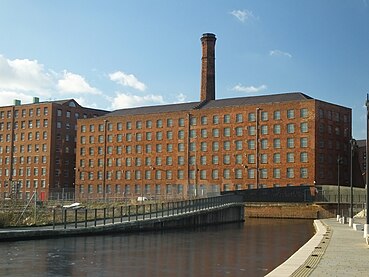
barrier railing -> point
(80, 217)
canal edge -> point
(306, 259)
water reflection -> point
(250, 249)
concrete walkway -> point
(335, 250)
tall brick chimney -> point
(208, 67)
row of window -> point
(204, 133)
(23, 160)
(204, 146)
(180, 160)
(290, 114)
(30, 136)
(24, 124)
(29, 148)
(332, 115)
(24, 172)
(203, 174)
(24, 112)
(27, 184)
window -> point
(204, 120)
(238, 173)
(215, 119)
(181, 122)
(251, 173)
(251, 158)
(277, 115)
(169, 160)
(192, 121)
(264, 158)
(277, 158)
(238, 144)
(239, 118)
(181, 147)
(215, 174)
(215, 159)
(303, 172)
(276, 173)
(251, 117)
(180, 134)
(204, 146)
(290, 142)
(263, 173)
(226, 159)
(128, 125)
(169, 147)
(215, 133)
(181, 160)
(303, 142)
(239, 131)
(290, 172)
(277, 143)
(290, 114)
(226, 174)
(264, 144)
(169, 122)
(227, 118)
(264, 116)
(169, 134)
(251, 144)
(203, 174)
(159, 123)
(238, 159)
(251, 130)
(138, 124)
(227, 132)
(290, 157)
(304, 127)
(304, 112)
(159, 135)
(192, 133)
(304, 157)
(264, 129)
(204, 133)
(227, 145)
(290, 128)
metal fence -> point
(80, 217)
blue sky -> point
(115, 54)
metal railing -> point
(79, 217)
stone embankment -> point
(288, 210)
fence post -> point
(65, 218)
(113, 215)
(150, 210)
(136, 212)
(121, 214)
(95, 217)
(129, 212)
(162, 209)
(85, 217)
(143, 212)
(104, 215)
(53, 218)
(75, 218)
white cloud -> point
(279, 53)
(249, 89)
(74, 83)
(24, 78)
(24, 75)
(181, 98)
(243, 15)
(127, 80)
(126, 100)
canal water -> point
(253, 248)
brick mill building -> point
(202, 148)
(37, 147)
